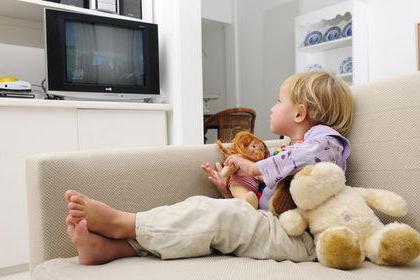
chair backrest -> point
(231, 121)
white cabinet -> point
(30, 127)
(322, 41)
(25, 132)
(104, 128)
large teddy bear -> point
(345, 228)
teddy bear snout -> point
(314, 184)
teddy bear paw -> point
(398, 245)
(339, 248)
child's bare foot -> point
(100, 217)
(220, 182)
(96, 249)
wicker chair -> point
(229, 122)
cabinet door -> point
(26, 132)
(102, 129)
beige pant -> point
(200, 224)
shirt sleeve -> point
(295, 157)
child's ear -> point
(300, 113)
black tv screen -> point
(95, 54)
(92, 58)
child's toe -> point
(76, 213)
(75, 206)
(68, 194)
(72, 221)
(78, 199)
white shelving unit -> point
(330, 54)
(33, 10)
(37, 126)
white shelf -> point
(335, 44)
(345, 76)
(34, 10)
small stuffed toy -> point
(343, 224)
(252, 148)
(281, 201)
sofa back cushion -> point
(385, 140)
(132, 180)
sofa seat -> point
(216, 267)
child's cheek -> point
(273, 129)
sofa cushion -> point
(215, 267)
(385, 141)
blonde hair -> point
(327, 98)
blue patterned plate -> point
(313, 67)
(333, 33)
(313, 38)
(347, 30)
(346, 66)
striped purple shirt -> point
(321, 143)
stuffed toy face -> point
(313, 185)
(256, 149)
(246, 144)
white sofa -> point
(386, 154)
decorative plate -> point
(333, 33)
(346, 66)
(313, 38)
(347, 30)
(313, 67)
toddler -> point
(313, 109)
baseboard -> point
(14, 269)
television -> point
(100, 58)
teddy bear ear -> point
(313, 185)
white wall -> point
(250, 56)
(217, 10)
(214, 63)
(214, 68)
(278, 56)
(307, 6)
(392, 37)
(265, 54)
(181, 67)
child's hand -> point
(214, 176)
(245, 167)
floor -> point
(17, 276)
